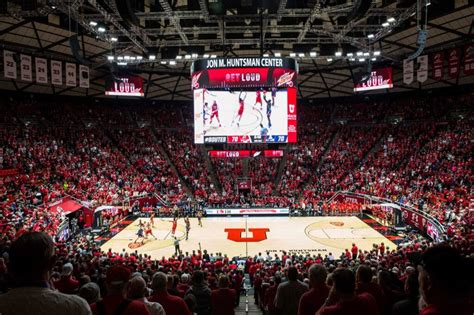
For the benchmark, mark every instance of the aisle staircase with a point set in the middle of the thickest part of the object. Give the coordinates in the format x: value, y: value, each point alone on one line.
x: 247, y: 304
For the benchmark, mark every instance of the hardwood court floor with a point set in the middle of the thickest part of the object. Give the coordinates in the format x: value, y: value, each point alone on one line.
x: 296, y: 234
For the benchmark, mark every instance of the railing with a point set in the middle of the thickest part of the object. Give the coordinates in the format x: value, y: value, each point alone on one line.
x: 414, y: 211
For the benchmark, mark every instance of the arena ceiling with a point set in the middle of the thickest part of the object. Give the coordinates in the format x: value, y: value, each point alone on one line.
x: 167, y: 28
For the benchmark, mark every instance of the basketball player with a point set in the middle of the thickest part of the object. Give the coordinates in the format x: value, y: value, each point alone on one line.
x: 263, y: 133
x: 152, y: 219
x: 149, y: 231
x: 199, y: 217
x: 205, y: 111
x: 215, y: 113
x: 188, y: 226
x: 141, y: 224
x: 241, y: 108
x: 175, y: 225
x: 274, y: 94
x: 269, y: 109
x: 258, y: 99
x: 140, y: 235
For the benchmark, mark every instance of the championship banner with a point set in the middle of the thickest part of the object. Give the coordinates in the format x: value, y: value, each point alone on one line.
x: 41, y: 70
x: 379, y: 79
x: 453, y: 62
x: 9, y: 64
x: 56, y: 72
x: 407, y: 71
x: 438, y: 65
x: 71, y: 74
x: 246, y: 211
x: 84, y: 76
x: 469, y: 59
x: 26, y: 72
x: 422, y: 73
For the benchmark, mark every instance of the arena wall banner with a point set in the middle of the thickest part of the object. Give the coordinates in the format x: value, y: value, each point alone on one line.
x: 422, y: 72
x: 244, y: 72
x: 453, y: 62
x: 56, y: 72
x: 379, y: 79
x: 71, y: 74
x: 9, y: 65
x: 469, y: 59
x: 41, y: 70
x: 246, y: 211
x: 407, y: 71
x: 84, y: 76
x: 26, y: 68
x: 438, y: 65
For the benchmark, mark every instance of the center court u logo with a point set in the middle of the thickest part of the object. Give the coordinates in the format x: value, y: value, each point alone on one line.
x: 258, y: 235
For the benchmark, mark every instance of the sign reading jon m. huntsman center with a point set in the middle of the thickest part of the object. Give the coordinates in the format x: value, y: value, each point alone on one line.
x: 244, y: 72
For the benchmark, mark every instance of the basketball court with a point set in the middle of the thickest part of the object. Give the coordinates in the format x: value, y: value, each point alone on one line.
x: 239, y: 236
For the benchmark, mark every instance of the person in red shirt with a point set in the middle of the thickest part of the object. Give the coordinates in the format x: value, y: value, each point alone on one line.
x: 364, y: 284
x: 445, y: 282
x: 115, y: 302
x: 354, y: 251
x: 223, y: 299
x: 171, y: 304
x: 342, y: 299
x: 67, y: 284
x: 312, y: 300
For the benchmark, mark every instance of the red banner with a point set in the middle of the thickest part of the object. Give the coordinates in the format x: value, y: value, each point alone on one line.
x: 245, y: 153
x: 438, y: 65
x: 469, y: 59
x: 453, y: 62
x: 379, y: 79
x: 292, y: 115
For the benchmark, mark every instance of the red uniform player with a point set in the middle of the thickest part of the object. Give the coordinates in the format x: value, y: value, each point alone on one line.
x: 241, y: 109
x: 215, y: 113
x: 258, y: 99
x: 175, y: 225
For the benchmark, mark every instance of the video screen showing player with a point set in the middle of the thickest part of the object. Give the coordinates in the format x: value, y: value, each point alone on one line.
x: 240, y: 113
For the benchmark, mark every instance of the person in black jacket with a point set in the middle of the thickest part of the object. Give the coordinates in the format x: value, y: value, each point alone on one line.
x: 200, y: 290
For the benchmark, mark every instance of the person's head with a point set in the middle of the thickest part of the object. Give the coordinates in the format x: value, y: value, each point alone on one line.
x: 198, y: 277
x: 185, y: 278
x: 90, y: 292
x: 223, y: 281
x: 136, y: 288
x: 67, y: 270
x: 412, y: 285
x: 292, y: 274
x: 364, y: 274
x: 116, y: 279
x: 159, y: 281
x: 444, y: 275
x: 317, y: 275
x: 343, y: 281
x: 31, y: 257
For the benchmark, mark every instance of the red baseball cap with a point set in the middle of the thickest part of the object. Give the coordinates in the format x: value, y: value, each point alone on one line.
x: 117, y: 274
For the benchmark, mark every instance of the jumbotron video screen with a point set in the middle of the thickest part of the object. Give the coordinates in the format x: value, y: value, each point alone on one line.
x: 244, y: 100
x: 239, y: 116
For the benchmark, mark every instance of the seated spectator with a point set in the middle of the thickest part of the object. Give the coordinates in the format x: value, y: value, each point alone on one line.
x: 137, y: 290
x: 343, y: 300
x: 445, y: 282
x: 364, y: 284
x: 223, y: 299
x: 115, y: 302
x: 312, y: 300
x: 67, y: 284
x: 90, y: 292
x: 171, y: 304
x: 201, y: 292
x: 30, y: 259
x: 289, y: 293
x: 409, y: 306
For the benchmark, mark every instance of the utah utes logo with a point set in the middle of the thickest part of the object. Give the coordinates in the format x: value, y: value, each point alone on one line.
x: 292, y: 108
x: 258, y: 235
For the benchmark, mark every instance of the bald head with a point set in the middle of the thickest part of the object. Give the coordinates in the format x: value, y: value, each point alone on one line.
x: 136, y: 288
x: 317, y: 275
x: 159, y: 281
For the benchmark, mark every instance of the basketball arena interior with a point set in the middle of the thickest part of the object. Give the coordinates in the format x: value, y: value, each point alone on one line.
x: 221, y: 157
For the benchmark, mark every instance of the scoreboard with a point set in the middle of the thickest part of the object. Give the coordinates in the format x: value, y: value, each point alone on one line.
x: 244, y: 100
